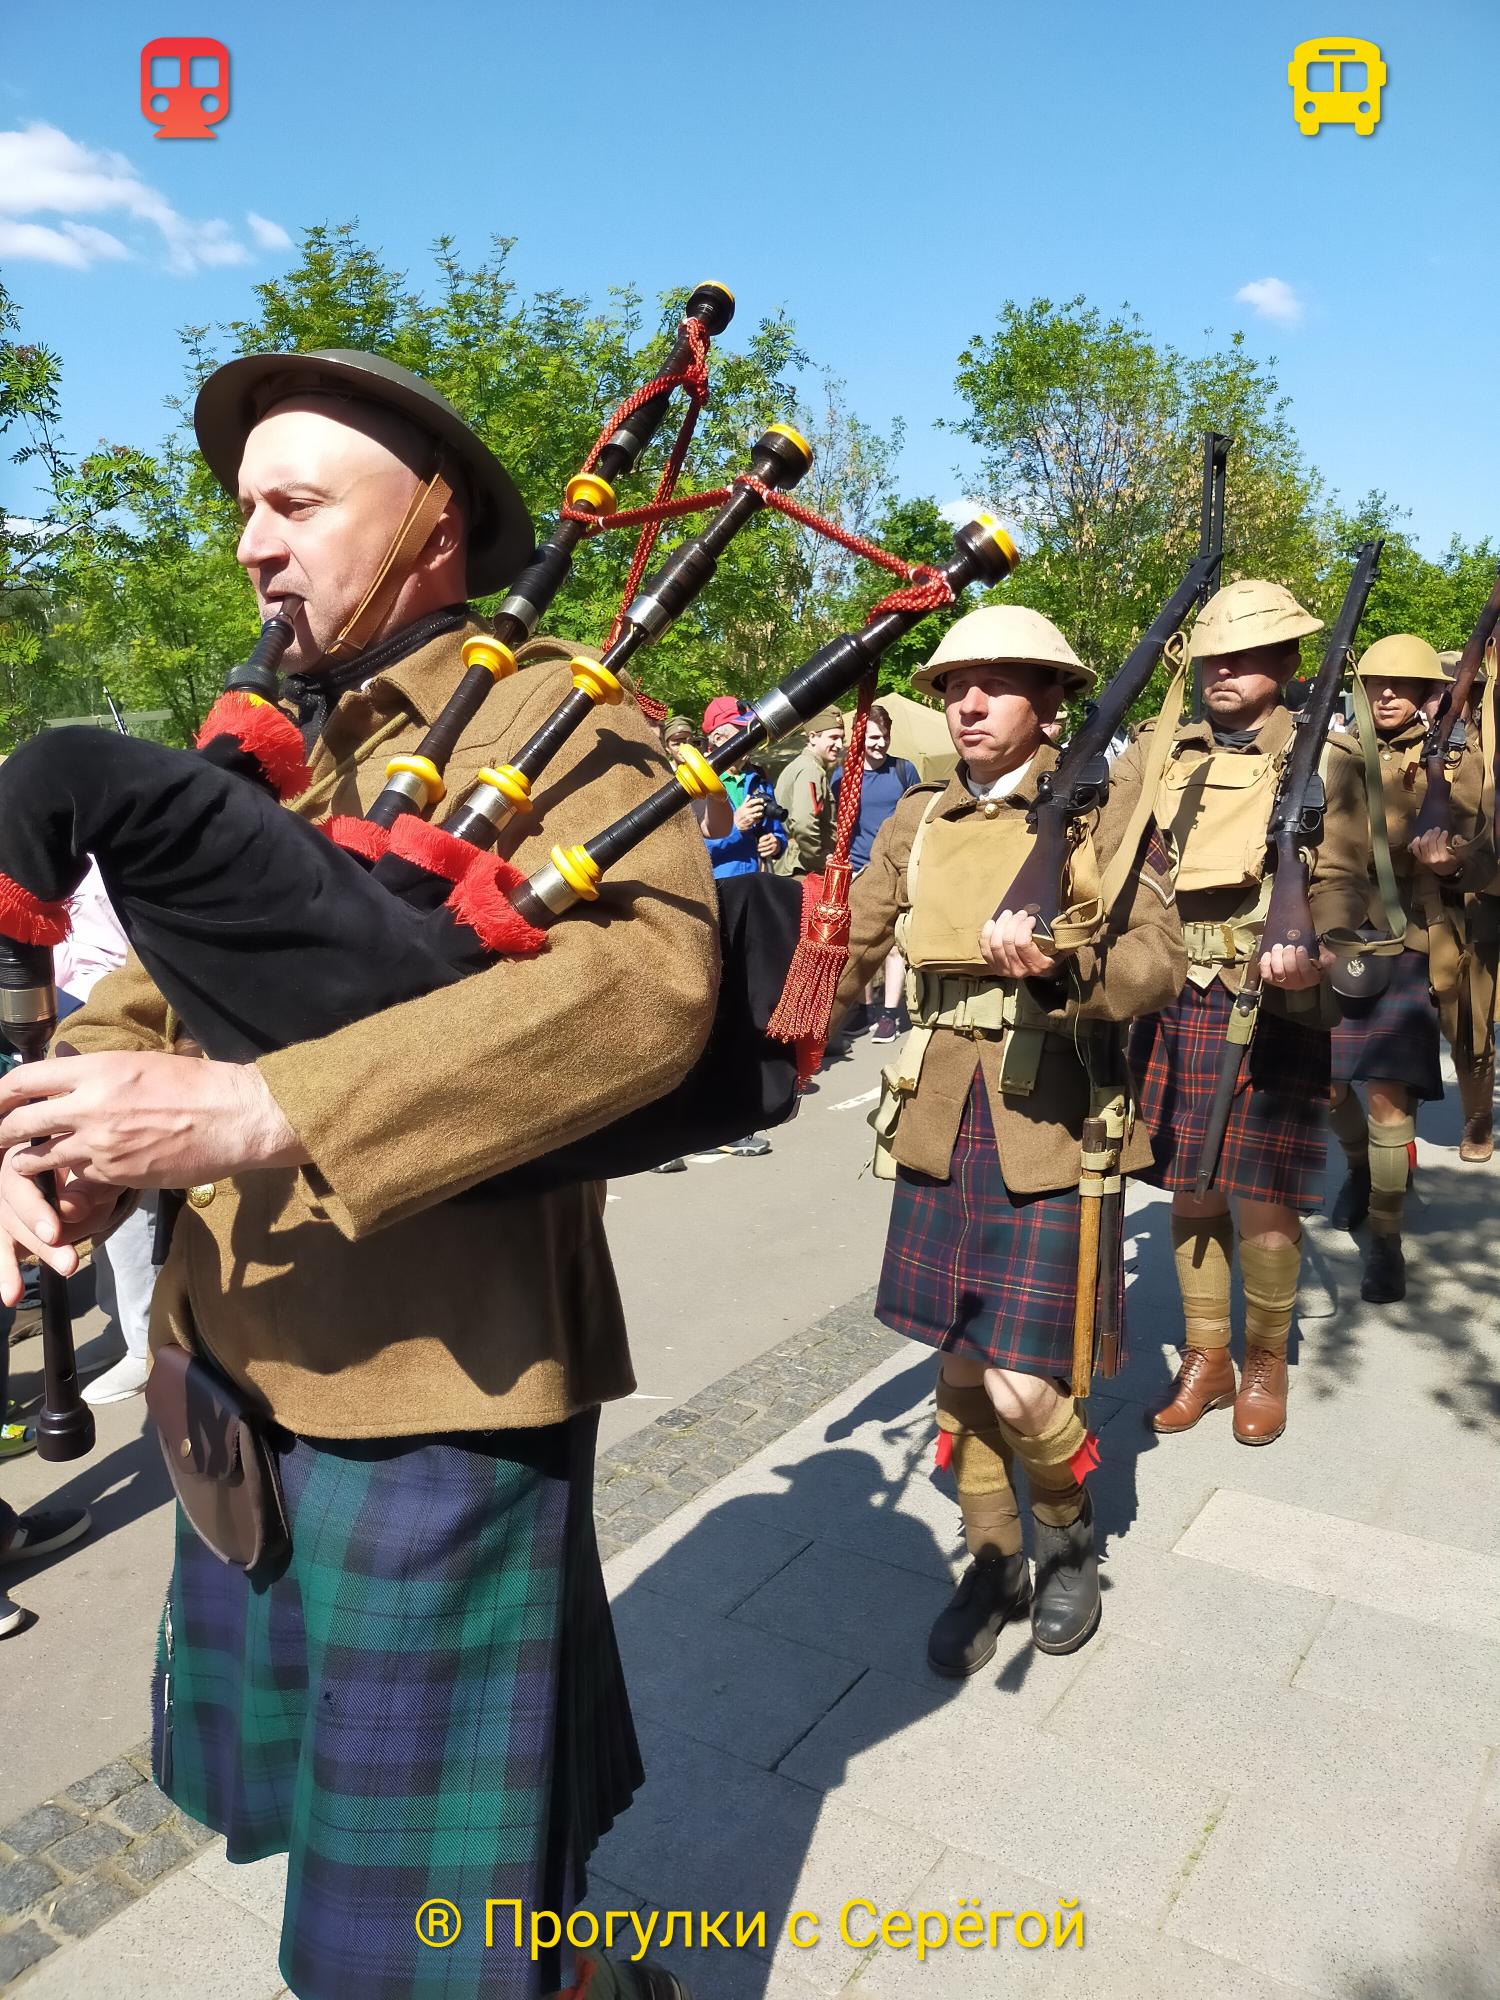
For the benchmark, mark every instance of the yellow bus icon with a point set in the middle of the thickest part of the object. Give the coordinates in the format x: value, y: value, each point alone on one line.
x: 1336, y: 80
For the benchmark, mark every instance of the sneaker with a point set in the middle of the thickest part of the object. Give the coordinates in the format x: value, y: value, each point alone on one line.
x: 671, y: 1167
x: 12, y: 1617
x: 16, y: 1439
x: 884, y: 1029
x: 752, y: 1147
x: 39, y: 1533
x: 118, y: 1384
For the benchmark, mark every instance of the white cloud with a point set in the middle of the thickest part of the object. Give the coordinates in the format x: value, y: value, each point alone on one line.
x: 1272, y: 298
x: 45, y: 173
x: 269, y: 235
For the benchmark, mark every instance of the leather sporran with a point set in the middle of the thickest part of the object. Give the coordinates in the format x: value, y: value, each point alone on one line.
x: 221, y: 1465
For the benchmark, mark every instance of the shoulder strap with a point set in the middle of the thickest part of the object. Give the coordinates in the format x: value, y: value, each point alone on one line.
x: 1392, y: 915
x: 1122, y: 861
x: 918, y: 839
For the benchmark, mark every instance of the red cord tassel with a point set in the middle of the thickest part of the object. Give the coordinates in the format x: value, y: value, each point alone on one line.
x: 29, y: 920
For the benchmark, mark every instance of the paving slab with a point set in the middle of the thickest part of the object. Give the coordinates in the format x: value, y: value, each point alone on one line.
x: 1399, y: 1667
x: 1452, y: 1588
x: 720, y: 1683
x: 1116, y: 1832
x: 1200, y: 1611
x: 1119, y: 1960
x: 1405, y: 1779
x: 258, y: 1887
x: 718, y: 1565
x: 179, y: 1943
x: 1335, y: 1916
x: 861, y: 1609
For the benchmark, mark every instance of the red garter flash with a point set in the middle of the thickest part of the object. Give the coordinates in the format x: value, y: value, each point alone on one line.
x: 482, y: 901
x: 361, y: 837
x: 29, y: 920
x: 942, y: 1458
x: 264, y: 733
x: 1086, y: 1459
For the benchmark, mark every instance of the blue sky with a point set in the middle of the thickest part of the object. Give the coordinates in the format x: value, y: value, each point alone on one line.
x: 887, y: 174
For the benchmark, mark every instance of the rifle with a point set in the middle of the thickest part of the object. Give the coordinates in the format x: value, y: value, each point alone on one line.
x: 114, y: 709
x: 1296, y: 819
x: 1436, y: 814
x: 1210, y: 529
x: 1080, y: 782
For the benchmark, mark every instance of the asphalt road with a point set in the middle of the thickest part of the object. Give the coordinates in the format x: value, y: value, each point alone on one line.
x: 715, y: 1265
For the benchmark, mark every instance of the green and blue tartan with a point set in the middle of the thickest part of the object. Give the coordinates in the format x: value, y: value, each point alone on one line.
x: 426, y: 1701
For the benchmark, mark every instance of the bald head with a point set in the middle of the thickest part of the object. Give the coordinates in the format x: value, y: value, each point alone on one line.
x: 325, y: 483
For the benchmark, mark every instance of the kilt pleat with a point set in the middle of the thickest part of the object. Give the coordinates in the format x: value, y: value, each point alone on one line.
x: 425, y: 1702
x: 1393, y: 1037
x: 1275, y: 1144
x: 974, y: 1270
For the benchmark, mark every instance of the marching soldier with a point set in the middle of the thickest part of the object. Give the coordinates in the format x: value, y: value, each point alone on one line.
x: 1388, y: 1037
x: 1468, y: 1011
x: 1214, y: 803
x: 980, y: 1120
x: 426, y: 1692
x: 803, y: 793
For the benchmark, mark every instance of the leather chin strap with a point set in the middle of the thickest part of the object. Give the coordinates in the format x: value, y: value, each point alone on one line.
x: 407, y: 544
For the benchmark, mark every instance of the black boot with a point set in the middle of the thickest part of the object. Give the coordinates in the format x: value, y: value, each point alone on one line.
x: 1384, y: 1281
x: 991, y: 1590
x: 1353, y: 1203
x: 1065, y: 1609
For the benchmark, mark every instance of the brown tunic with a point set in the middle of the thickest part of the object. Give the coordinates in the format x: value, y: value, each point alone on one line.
x: 357, y: 1297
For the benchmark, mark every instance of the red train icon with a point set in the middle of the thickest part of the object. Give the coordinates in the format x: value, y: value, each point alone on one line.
x: 186, y: 107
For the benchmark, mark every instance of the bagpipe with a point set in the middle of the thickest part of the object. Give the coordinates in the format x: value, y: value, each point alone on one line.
x: 262, y: 929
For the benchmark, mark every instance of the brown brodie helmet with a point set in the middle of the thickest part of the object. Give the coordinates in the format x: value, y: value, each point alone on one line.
x: 500, y: 536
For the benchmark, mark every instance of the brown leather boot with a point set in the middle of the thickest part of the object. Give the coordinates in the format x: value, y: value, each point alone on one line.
x: 1478, y: 1142
x: 1205, y: 1381
x: 1260, y: 1407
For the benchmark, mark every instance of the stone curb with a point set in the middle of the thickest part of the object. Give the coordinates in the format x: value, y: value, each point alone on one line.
x: 69, y: 1864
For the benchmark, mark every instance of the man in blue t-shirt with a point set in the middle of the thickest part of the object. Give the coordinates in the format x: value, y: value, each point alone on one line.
x: 886, y: 778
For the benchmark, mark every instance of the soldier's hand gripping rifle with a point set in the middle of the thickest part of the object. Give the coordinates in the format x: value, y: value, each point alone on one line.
x: 1296, y: 822
x: 1076, y: 788
x: 1436, y: 814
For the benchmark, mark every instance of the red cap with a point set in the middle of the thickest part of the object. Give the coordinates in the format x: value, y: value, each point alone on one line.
x: 723, y: 708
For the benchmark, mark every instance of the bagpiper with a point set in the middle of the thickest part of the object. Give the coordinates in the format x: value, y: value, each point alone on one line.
x: 981, y: 1116
x: 1387, y: 1038
x: 1214, y: 805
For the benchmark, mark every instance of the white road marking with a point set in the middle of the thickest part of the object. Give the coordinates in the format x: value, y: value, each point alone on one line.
x: 852, y: 1103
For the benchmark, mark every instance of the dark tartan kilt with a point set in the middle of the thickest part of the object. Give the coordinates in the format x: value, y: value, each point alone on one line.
x: 1393, y: 1037
x: 975, y: 1270
x: 425, y: 1702
x: 1275, y: 1145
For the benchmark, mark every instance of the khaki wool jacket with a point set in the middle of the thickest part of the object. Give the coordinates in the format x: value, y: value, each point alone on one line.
x: 1139, y: 966
x: 1403, y: 779
x: 804, y: 795
x: 356, y: 1297
x: 1339, y: 876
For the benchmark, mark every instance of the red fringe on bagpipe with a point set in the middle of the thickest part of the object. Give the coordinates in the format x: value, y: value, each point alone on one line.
x: 27, y: 919
x: 427, y: 846
x: 264, y: 733
x: 361, y: 837
x: 482, y: 901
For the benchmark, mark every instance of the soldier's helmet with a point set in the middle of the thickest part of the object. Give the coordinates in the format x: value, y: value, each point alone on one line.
x: 1003, y: 635
x: 1401, y: 656
x: 1246, y: 614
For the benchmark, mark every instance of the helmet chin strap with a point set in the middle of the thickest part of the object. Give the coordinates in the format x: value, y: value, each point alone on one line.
x: 408, y: 542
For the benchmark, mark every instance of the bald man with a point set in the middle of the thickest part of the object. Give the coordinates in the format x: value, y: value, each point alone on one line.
x: 424, y: 1699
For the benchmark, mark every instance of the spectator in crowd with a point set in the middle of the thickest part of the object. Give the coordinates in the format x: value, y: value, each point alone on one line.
x: 802, y: 793
x: 757, y: 837
x: 886, y: 779
x: 714, y: 814
x: 124, y: 1276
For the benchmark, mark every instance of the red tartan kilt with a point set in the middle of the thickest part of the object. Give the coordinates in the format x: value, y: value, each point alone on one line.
x: 1275, y: 1145
x: 974, y: 1270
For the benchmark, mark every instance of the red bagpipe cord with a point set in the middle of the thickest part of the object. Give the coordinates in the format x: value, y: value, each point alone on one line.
x: 805, y: 1009
x: 264, y: 733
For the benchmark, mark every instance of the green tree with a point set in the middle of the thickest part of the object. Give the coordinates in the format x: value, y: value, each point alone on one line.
x: 1089, y: 436
x: 1438, y: 600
